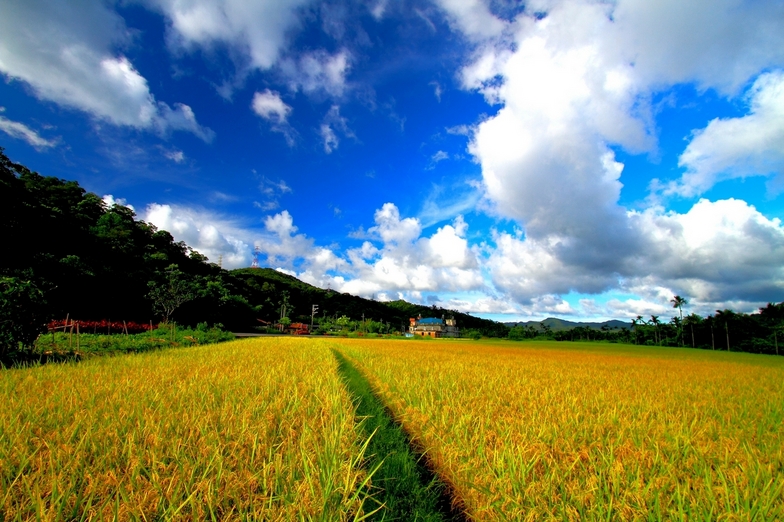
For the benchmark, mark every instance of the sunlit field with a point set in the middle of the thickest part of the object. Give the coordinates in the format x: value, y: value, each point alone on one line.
x: 251, y: 429
x: 265, y: 429
x: 593, y: 431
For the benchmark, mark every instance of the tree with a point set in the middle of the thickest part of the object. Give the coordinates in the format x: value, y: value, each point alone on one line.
x: 285, y: 322
x: 691, y: 320
x: 635, y: 326
x: 679, y: 302
x: 23, y: 315
x: 655, y: 322
x: 168, y: 295
x: 725, y: 316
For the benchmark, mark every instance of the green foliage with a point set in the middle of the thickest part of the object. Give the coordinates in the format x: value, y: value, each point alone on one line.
x: 469, y: 333
x: 96, y: 262
x: 173, y: 291
x: 62, y: 344
x: 23, y: 315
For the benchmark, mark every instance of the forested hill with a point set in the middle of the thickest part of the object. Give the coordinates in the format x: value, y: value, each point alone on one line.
x: 67, y: 253
x: 269, y: 288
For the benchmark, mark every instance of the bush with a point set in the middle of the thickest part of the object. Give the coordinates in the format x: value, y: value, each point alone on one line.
x: 23, y: 316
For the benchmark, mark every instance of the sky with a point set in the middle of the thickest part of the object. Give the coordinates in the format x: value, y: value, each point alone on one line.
x: 578, y: 159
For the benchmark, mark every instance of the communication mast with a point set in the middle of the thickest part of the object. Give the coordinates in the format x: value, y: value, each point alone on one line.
x: 255, y: 263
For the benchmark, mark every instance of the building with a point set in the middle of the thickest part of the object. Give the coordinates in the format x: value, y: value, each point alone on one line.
x: 434, y: 327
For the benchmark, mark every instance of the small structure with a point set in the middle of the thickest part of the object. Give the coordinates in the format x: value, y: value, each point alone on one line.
x: 434, y: 327
x: 298, y: 329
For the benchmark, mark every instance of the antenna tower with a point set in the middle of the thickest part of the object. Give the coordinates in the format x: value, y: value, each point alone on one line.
x: 255, y: 263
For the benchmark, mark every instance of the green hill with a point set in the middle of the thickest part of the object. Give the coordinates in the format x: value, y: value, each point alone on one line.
x: 557, y: 325
x: 267, y: 288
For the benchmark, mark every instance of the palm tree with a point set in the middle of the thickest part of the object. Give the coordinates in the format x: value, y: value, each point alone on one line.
x: 679, y: 302
x: 691, y: 320
x: 634, y: 327
x: 725, y: 316
x: 655, y: 321
x: 710, y: 320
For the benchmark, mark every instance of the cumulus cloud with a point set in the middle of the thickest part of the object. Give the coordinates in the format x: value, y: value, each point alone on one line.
x: 258, y: 28
x: 21, y: 131
x: 270, y: 106
x: 751, y: 145
x: 715, y: 252
x: 75, y: 64
x: 403, y: 263
x: 209, y: 234
x: 573, y: 84
x: 472, y: 17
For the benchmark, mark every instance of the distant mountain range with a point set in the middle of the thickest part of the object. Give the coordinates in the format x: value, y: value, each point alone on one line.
x: 563, y: 324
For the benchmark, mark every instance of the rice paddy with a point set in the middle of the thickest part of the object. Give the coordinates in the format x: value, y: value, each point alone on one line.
x: 272, y: 429
x: 241, y: 430
x: 539, y: 431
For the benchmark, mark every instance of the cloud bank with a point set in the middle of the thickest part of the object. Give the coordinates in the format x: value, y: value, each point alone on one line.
x: 75, y: 64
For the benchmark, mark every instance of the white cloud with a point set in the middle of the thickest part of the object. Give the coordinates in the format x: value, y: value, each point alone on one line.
x: 334, y: 121
x: 472, y: 17
x: 378, y: 9
x: 177, y: 156
x: 393, y: 230
x: 405, y: 262
x: 439, y: 156
x: 21, y: 131
x: 718, y: 44
x: 69, y: 58
x: 437, y: 91
x: 445, y: 201
x: 318, y: 72
x: 207, y: 233
x: 257, y: 28
x: 331, y: 141
x: 110, y: 201
x: 751, y: 145
x: 270, y: 106
x: 717, y: 251
x: 577, y: 82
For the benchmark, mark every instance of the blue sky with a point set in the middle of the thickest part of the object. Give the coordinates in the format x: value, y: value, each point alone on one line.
x: 515, y: 160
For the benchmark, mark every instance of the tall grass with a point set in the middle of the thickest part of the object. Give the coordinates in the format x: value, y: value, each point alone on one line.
x: 537, y: 432
x: 251, y: 429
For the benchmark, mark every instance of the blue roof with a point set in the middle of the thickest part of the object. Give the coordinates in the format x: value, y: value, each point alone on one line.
x: 430, y: 320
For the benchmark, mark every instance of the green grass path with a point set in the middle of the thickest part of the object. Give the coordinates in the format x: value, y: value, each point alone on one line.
x: 406, y: 487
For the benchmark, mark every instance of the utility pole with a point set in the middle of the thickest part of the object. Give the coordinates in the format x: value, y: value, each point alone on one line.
x: 313, y: 312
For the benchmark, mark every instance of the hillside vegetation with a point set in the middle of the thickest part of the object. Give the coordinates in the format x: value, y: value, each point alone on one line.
x: 69, y: 254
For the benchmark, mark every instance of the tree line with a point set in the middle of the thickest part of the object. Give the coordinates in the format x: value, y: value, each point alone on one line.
x: 727, y: 330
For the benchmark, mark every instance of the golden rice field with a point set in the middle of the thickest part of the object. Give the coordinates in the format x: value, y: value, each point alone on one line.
x: 561, y: 431
x: 263, y: 429
x: 252, y: 430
